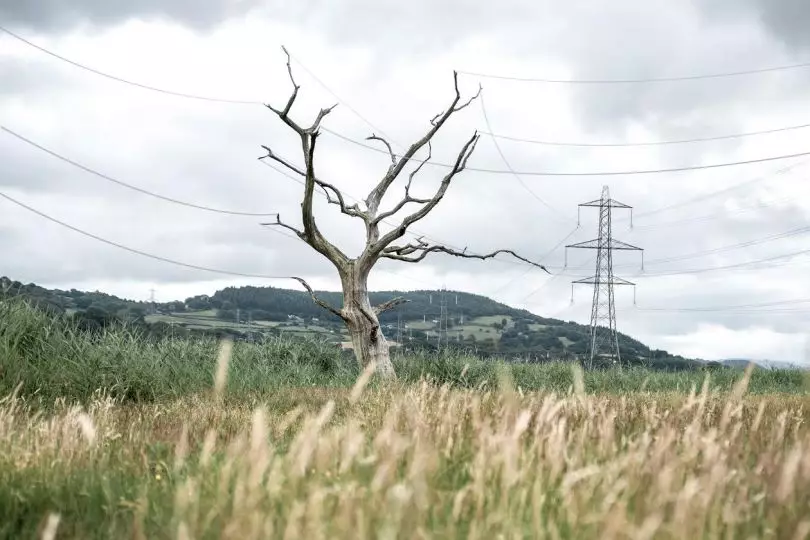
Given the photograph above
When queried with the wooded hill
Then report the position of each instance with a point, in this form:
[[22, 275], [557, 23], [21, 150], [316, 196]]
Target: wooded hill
[[475, 323]]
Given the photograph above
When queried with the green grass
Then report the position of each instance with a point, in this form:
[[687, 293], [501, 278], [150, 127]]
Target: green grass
[[124, 437], [50, 359]]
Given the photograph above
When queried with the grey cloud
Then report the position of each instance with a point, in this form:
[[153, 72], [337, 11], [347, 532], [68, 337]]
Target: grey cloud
[[608, 40], [786, 20], [57, 15]]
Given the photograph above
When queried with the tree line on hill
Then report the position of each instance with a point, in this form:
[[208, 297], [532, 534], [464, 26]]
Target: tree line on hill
[[528, 336]]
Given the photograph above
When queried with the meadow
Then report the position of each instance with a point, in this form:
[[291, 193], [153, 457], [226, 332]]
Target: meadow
[[114, 436]]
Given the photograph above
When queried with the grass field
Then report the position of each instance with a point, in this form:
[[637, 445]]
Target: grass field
[[117, 437]]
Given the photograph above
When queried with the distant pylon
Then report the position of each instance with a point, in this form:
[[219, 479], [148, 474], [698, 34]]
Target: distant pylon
[[603, 333], [443, 318]]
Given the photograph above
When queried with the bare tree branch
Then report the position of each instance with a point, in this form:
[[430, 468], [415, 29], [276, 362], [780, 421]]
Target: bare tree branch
[[279, 159], [317, 300], [311, 234], [375, 137], [408, 198], [284, 113], [376, 194], [321, 114], [350, 210], [390, 304], [279, 223], [469, 101], [461, 162], [421, 250]]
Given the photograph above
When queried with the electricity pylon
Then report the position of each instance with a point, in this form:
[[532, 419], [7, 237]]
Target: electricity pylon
[[443, 318], [603, 333]]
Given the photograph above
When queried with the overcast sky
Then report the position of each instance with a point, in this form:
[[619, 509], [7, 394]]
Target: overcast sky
[[389, 65]]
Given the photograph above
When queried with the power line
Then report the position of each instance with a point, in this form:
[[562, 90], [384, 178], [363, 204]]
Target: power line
[[579, 173], [343, 102], [540, 260], [716, 268], [706, 269], [184, 94], [730, 247], [509, 166], [714, 215], [156, 195], [653, 143], [647, 171], [720, 249], [712, 194], [136, 251], [446, 165], [412, 232], [637, 81], [730, 308], [164, 259], [125, 81], [129, 186]]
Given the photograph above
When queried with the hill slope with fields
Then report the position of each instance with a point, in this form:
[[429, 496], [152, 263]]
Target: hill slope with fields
[[474, 323]]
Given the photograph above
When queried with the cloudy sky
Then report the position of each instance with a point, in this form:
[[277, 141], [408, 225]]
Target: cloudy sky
[[389, 66]]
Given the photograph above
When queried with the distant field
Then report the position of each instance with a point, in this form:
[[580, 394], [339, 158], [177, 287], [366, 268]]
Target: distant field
[[492, 319], [419, 325], [565, 341], [478, 332]]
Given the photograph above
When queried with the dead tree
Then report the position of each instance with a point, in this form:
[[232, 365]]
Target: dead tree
[[360, 316]]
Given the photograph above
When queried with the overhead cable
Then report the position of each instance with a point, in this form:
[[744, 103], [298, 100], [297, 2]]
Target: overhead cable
[[446, 165], [509, 166], [130, 186], [639, 80], [137, 251], [652, 143]]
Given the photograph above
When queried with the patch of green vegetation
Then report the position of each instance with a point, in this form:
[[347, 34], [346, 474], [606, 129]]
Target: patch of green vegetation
[[489, 320], [49, 357]]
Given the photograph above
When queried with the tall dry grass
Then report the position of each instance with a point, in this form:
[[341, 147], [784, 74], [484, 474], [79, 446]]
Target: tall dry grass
[[415, 461]]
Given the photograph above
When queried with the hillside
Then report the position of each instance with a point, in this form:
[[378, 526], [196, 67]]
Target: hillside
[[474, 323]]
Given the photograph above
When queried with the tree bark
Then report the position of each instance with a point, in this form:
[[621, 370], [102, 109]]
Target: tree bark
[[363, 324]]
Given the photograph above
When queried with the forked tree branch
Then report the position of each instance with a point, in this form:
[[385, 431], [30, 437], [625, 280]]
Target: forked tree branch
[[272, 155], [284, 113], [375, 137], [378, 247], [390, 304], [321, 114], [376, 194], [407, 199], [279, 223], [326, 305], [414, 253], [350, 210]]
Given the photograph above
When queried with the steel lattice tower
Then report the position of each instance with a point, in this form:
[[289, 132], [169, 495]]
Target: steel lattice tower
[[443, 319], [603, 334]]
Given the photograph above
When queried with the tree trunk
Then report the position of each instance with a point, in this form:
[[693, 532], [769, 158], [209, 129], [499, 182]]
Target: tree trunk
[[368, 340]]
